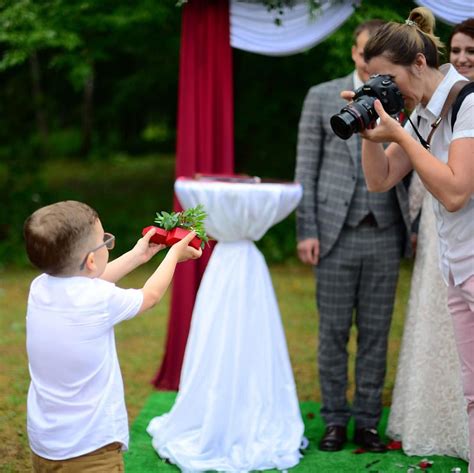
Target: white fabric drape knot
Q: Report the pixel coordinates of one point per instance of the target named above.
(450, 11)
(237, 408)
(253, 27)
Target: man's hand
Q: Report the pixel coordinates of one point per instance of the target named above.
(308, 251)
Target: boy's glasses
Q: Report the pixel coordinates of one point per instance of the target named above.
(109, 243)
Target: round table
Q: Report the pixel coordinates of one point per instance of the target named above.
(237, 408)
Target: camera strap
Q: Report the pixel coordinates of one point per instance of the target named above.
(450, 99)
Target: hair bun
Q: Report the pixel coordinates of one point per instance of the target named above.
(423, 18)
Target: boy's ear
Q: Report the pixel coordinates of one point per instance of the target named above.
(90, 262)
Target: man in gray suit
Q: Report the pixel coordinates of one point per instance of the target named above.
(355, 240)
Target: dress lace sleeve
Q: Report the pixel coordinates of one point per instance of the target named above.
(416, 194)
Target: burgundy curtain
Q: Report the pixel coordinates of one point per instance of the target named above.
(205, 144)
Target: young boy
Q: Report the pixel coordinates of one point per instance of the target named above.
(76, 415)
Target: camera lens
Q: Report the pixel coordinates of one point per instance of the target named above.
(360, 113)
(344, 124)
(354, 118)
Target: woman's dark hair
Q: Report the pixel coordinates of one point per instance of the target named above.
(466, 27)
(400, 43)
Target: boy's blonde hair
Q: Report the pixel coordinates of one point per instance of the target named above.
(56, 236)
(401, 42)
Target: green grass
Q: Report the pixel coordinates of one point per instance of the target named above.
(143, 458)
(127, 192)
(141, 342)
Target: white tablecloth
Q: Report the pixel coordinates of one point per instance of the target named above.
(237, 408)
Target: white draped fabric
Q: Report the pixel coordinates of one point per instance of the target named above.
(450, 11)
(237, 408)
(253, 27)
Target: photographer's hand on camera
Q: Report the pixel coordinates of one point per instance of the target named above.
(347, 95)
(385, 130)
(382, 173)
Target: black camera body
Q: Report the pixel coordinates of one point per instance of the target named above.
(360, 113)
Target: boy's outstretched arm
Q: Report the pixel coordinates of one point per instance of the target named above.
(141, 253)
(157, 284)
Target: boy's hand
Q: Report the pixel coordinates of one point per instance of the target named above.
(144, 250)
(183, 251)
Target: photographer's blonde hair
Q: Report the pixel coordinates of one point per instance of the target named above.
(401, 42)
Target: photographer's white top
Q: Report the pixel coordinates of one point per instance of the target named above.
(455, 229)
(75, 400)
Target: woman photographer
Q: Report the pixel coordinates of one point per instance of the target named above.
(428, 348)
(409, 54)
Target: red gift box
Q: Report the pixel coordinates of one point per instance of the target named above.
(177, 234)
(169, 238)
(159, 237)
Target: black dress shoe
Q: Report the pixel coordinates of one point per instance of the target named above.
(333, 439)
(369, 440)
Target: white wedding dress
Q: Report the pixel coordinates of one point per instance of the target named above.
(428, 413)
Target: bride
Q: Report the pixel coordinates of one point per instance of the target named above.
(428, 413)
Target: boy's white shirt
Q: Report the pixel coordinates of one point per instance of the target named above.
(76, 398)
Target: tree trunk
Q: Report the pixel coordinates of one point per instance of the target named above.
(39, 101)
(87, 113)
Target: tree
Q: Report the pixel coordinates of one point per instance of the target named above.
(67, 62)
(74, 36)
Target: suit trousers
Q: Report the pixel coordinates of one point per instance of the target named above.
(461, 308)
(356, 283)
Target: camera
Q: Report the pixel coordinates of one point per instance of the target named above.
(360, 113)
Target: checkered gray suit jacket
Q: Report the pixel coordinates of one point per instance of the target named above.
(325, 167)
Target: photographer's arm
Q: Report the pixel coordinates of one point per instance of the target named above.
(451, 183)
(383, 168)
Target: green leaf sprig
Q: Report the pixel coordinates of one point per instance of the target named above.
(190, 219)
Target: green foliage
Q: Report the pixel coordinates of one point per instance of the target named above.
(129, 53)
(167, 221)
(190, 219)
(27, 26)
(269, 92)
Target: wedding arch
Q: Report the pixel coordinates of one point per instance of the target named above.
(205, 129)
